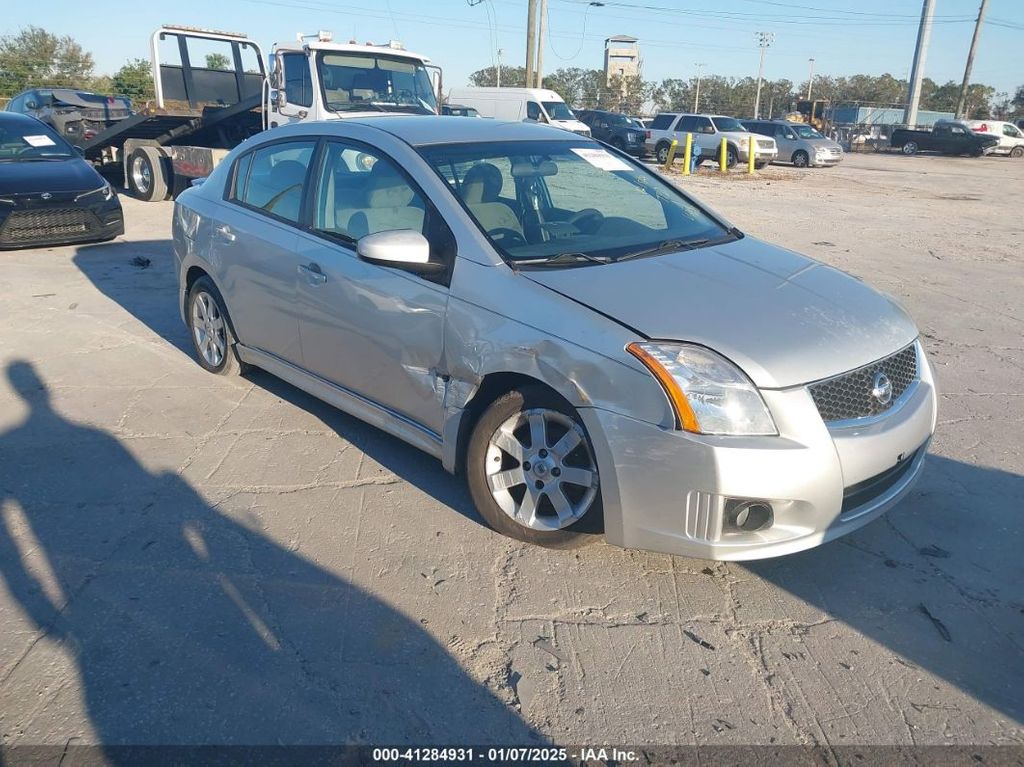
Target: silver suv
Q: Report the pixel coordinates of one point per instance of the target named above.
(708, 132)
(799, 143)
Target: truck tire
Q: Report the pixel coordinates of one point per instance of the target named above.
(1017, 151)
(910, 148)
(147, 174)
(661, 152)
(731, 156)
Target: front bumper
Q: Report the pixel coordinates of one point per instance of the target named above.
(826, 160)
(669, 491)
(59, 222)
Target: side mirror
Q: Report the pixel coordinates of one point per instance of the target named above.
(280, 98)
(402, 249)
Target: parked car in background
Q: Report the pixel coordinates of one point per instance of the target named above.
(590, 346)
(76, 115)
(521, 104)
(640, 122)
(459, 110)
(49, 195)
(947, 137)
(798, 143)
(1011, 138)
(615, 129)
(708, 132)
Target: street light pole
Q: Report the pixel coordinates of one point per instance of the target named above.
(810, 79)
(531, 20)
(696, 95)
(498, 73)
(961, 107)
(924, 31)
(764, 39)
(542, 28)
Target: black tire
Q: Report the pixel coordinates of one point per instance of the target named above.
(910, 148)
(1017, 152)
(507, 406)
(731, 156)
(801, 159)
(229, 364)
(759, 165)
(661, 152)
(147, 174)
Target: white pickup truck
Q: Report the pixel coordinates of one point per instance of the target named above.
(708, 132)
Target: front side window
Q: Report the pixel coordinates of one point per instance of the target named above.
(1009, 130)
(532, 110)
(729, 125)
(703, 125)
(360, 192)
(297, 83)
(538, 200)
(271, 178)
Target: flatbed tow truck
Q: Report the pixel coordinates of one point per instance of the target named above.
(200, 112)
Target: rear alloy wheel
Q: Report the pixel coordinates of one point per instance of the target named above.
(1017, 151)
(210, 329)
(147, 178)
(731, 157)
(910, 147)
(531, 470)
(800, 159)
(661, 152)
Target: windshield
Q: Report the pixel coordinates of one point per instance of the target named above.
(806, 131)
(362, 81)
(728, 124)
(25, 141)
(550, 199)
(557, 110)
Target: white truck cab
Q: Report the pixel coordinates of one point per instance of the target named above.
(318, 79)
(523, 104)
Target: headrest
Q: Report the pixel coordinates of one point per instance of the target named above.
(287, 173)
(386, 188)
(482, 183)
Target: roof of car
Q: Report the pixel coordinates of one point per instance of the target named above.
(424, 130)
(14, 117)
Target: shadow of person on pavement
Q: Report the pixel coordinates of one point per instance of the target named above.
(188, 627)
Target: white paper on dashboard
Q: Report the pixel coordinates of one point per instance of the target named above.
(601, 159)
(39, 141)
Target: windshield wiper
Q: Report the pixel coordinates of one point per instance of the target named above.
(676, 245)
(561, 259)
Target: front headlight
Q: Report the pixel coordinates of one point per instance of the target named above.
(709, 394)
(105, 192)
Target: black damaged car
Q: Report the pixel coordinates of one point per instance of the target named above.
(49, 195)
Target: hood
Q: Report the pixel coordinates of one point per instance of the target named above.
(785, 319)
(72, 175)
(573, 125)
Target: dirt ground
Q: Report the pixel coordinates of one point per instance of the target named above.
(187, 559)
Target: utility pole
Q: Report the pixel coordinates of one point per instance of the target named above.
(540, 43)
(961, 107)
(917, 70)
(696, 95)
(764, 39)
(498, 72)
(531, 20)
(810, 78)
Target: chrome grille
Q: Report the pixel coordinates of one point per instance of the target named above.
(32, 225)
(849, 395)
(766, 143)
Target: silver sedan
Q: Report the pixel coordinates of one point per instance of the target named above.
(592, 348)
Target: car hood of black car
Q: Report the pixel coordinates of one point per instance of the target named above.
(37, 176)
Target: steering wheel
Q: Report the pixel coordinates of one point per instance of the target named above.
(507, 237)
(584, 215)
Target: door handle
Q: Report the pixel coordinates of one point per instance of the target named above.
(314, 276)
(224, 233)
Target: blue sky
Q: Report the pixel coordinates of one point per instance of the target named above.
(843, 36)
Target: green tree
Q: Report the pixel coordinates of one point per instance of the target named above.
(578, 87)
(134, 80)
(511, 77)
(36, 58)
(217, 61)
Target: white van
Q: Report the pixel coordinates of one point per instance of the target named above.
(1011, 138)
(532, 104)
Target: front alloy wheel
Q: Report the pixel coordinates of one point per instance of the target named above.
(532, 471)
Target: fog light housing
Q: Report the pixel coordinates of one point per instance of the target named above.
(748, 516)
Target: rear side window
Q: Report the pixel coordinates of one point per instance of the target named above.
(662, 121)
(687, 125)
(271, 179)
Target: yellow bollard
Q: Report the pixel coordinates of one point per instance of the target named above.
(750, 156)
(722, 154)
(671, 154)
(687, 154)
